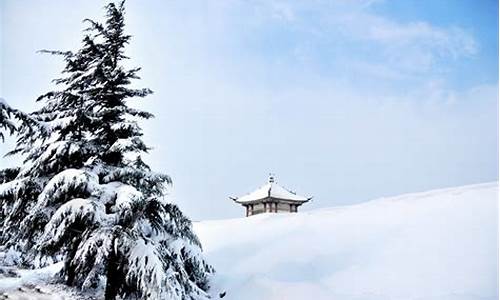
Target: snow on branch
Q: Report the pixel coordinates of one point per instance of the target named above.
(50, 156)
(11, 187)
(126, 195)
(92, 256)
(152, 183)
(76, 211)
(133, 144)
(67, 182)
(146, 268)
(7, 113)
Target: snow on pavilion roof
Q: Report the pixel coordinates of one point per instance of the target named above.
(271, 190)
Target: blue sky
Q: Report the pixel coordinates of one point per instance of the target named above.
(343, 100)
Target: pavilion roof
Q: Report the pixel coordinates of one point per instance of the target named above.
(271, 190)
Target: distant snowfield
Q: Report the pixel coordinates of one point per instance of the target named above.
(437, 245)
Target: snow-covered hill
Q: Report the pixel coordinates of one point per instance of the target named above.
(440, 245)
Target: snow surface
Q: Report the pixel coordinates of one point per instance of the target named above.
(35, 284)
(24, 277)
(437, 245)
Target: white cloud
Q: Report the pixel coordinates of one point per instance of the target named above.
(420, 37)
(407, 47)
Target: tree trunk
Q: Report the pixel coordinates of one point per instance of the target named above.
(70, 270)
(113, 276)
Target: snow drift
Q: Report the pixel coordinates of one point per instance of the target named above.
(441, 244)
(437, 245)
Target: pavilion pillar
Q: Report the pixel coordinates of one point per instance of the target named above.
(276, 207)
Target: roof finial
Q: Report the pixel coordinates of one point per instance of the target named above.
(271, 177)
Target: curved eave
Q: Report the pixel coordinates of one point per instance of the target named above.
(271, 199)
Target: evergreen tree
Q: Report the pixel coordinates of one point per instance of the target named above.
(94, 202)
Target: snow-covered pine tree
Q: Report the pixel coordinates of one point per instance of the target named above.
(103, 210)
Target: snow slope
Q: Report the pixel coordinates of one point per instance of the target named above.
(437, 245)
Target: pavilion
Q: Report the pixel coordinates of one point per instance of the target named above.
(271, 198)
